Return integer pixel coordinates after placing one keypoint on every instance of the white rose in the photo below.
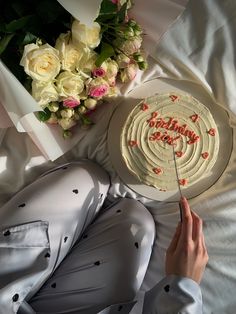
(113, 92)
(90, 103)
(53, 106)
(66, 123)
(67, 113)
(41, 63)
(69, 84)
(69, 54)
(129, 73)
(81, 34)
(44, 93)
(131, 45)
(82, 109)
(122, 60)
(87, 61)
(111, 80)
(112, 68)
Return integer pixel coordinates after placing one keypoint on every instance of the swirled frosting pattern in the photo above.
(162, 122)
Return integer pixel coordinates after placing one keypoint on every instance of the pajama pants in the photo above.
(95, 257)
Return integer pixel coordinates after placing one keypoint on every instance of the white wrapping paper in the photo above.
(20, 106)
(83, 10)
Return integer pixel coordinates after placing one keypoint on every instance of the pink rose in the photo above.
(99, 72)
(71, 102)
(98, 91)
(115, 1)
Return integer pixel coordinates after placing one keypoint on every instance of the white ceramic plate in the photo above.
(148, 89)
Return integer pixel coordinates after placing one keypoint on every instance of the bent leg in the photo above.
(105, 267)
(67, 198)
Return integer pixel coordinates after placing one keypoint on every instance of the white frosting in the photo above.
(147, 154)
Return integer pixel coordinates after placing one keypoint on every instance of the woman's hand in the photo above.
(187, 254)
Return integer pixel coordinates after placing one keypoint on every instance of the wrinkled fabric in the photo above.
(22, 162)
(37, 231)
(22, 262)
(200, 47)
(174, 295)
(104, 265)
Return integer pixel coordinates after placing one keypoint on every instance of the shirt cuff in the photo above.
(173, 295)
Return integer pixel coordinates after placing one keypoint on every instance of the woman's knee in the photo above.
(137, 214)
(135, 230)
(82, 175)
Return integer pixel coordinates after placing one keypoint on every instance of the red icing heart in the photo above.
(144, 106)
(183, 181)
(194, 117)
(173, 97)
(205, 155)
(212, 132)
(157, 170)
(132, 143)
(179, 154)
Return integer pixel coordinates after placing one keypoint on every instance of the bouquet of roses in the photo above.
(70, 68)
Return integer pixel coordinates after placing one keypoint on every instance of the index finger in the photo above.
(187, 227)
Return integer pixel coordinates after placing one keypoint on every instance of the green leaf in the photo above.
(108, 12)
(29, 38)
(44, 115)
(123, 12)
(5, 41)
(112, 17)
(107, 7)
(18, 24)
(107, 51)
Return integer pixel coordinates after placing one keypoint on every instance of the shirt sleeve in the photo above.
(174, 295)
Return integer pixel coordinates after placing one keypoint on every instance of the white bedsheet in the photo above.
(199, 47)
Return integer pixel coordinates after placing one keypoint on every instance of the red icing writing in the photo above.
(157, 171)
(172, 125)
(156, 136)
(133, 143)
(151, 123)
(212, 132)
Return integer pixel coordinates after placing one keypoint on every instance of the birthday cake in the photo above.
(164, 125)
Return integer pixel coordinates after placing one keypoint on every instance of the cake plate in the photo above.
(148, 89)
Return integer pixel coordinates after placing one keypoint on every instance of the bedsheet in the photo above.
(199, 47)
